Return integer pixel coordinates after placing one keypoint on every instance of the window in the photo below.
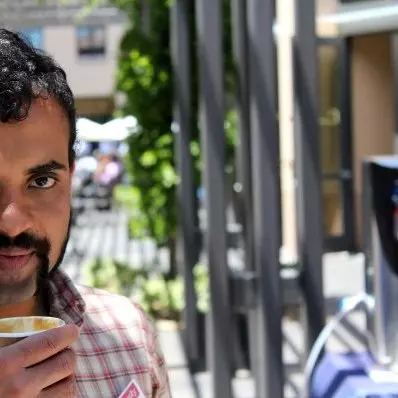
(91, 40)
(34, 36)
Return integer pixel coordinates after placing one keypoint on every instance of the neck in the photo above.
(28, 307)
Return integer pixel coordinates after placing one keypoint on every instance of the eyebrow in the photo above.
(52, 165)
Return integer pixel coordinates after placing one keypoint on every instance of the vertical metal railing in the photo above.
(308, 166)
(210, 58)
(243, 150)
(259, 174)
(180, 45)
(266, 318)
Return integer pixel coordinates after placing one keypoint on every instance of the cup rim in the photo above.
(17, 335)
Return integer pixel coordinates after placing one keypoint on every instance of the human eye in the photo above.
(42, 182)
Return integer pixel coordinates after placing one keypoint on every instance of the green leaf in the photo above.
(148, 158)
(166, 140)
(169, 176)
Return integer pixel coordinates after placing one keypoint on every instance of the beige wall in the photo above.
(285, 17)
(88, 76)
(93, 107)
(372, 106)
(329, 74)
(326, 7)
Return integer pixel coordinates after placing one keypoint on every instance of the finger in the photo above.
(51, 371)
(63, 389)
(39, 347)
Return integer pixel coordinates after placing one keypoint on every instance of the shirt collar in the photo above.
(65, 302)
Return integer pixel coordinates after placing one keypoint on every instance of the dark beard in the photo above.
(63, 247)
(42, 248)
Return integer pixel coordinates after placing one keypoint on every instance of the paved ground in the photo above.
(104, 234)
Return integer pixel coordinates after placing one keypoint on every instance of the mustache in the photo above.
(26, 240)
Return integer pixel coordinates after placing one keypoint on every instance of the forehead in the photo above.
(42, 136)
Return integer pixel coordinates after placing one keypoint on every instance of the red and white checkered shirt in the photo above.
(118, 343)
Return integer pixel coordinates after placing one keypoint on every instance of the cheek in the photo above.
(52, 206)
(51, 214)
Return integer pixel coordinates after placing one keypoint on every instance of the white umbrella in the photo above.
(115, 130)
(120, 128)
(88, 130)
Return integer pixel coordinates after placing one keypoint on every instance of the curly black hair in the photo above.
(26, 74)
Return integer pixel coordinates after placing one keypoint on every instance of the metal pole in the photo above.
(209, 32)
(243, 150)
(266, 318)
(309, 177)
(244, 173)
(180, 38)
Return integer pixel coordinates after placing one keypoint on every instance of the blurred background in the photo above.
(150, 170)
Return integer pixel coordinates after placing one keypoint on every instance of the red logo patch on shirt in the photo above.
(132, 391)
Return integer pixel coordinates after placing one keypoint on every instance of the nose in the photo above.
(14, 220)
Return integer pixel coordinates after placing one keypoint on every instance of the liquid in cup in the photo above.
(18, 328)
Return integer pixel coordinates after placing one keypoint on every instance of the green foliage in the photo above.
(126, 196)
(113, 276)
(145, 76)
(160, 297)
(201, 277)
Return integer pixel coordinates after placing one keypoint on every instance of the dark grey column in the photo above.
(180, 38)
(266, 318)
(210, 57)
(243, 150)
(309, 189)
(244, 173)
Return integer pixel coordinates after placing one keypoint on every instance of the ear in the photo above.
(72, 167)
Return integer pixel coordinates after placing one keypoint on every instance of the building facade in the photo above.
(357, 83)
(358, 104)
(84, 43)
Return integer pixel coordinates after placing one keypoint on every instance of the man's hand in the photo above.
(40, 366)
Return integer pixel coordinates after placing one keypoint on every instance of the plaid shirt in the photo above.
(117, 342)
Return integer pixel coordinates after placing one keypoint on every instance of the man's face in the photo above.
(35, 198)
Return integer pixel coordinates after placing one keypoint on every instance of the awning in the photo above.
(364, 17)
(115, 130)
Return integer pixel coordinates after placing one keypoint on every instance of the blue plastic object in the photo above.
(346, 376)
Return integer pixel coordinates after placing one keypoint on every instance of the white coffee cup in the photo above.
(18, 328)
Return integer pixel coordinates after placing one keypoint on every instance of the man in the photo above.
(108, 343)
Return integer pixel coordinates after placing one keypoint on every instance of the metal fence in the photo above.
(258, 172)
